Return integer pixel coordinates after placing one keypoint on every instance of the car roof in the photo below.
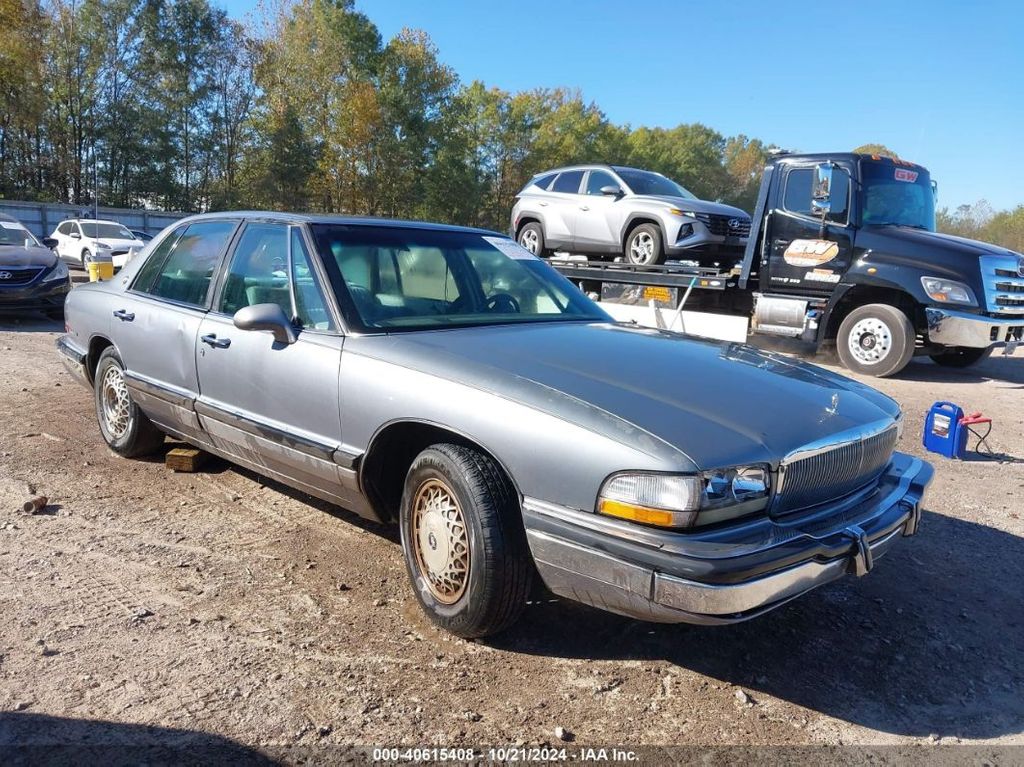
(92, 221)
(793, 157)
(11, 219)
(596, 166)
(342, 220)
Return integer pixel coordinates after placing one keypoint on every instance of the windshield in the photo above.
(418, 279)
(107, 230)
(897, 195)
(13, 233)
(645, 182)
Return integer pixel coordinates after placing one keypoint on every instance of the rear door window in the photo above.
(568, 182)
(187, 271)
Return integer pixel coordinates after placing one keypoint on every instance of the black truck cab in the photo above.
(845, 249)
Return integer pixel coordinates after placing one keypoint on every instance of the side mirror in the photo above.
(75, 236)
(50, 242)
(821, 190)
(266, 317)
(611, 190)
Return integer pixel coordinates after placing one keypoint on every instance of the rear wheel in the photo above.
(643, 246)
(876, 340)
(463, 541)
(124, 427)
(959, 358)
(531, 237)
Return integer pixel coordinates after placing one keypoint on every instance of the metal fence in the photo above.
(41, 218)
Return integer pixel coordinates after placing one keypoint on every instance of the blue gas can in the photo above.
(943, 432)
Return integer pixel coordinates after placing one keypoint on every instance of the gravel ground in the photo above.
(220, 608)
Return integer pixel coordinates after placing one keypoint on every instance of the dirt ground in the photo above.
(219, 607)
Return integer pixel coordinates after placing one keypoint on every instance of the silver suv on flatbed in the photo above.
(613, 210)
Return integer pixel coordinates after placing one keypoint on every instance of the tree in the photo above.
(879, 149)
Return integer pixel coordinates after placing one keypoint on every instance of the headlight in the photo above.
(59, 272)
(102, 246)
(948, 291)
(681, 212)
(681, 501)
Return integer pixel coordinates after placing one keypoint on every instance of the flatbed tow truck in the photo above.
(843, 251)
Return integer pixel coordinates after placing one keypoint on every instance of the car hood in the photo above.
(718, 403)
(118, 243)
(953, 246)
(698, 206)
(19, 257)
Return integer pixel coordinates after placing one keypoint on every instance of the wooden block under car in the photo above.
(186, 459)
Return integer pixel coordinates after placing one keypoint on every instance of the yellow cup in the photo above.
(100, 270)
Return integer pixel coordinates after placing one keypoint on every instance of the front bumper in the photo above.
(721, 576)
(34, 297)
(973, 331)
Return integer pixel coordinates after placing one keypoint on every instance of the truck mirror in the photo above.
(821, 191)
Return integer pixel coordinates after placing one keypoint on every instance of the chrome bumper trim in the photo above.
(974, 331)
(639, 589)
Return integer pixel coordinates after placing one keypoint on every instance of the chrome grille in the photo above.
(819, 474)
(13, 276)
(1003, 278)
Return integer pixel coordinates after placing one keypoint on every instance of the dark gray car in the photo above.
(448, 380)
(603, 210)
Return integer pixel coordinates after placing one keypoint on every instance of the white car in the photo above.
(78, 240)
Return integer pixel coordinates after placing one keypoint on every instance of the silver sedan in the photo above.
(448, 380)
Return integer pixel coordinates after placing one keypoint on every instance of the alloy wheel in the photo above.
(641, 248)
(530, 240)
(116, 404)
(441, 541)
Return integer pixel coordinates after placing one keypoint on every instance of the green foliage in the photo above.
(980, 222)
(880, 149)
(171, 104)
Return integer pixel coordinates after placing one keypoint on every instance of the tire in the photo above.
(86, 256)
(531, 237)
(133, 434)
(476, 583)
(643, 246)
(960, 358)
(876, 340)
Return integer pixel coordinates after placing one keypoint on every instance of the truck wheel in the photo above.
(876, 340)
(463, 540)
(531, 237)
(959, 358)
(643, 246)
(124, 427)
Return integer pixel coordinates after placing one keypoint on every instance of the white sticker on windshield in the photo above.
(510, 248)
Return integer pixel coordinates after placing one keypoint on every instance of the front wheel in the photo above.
(463, 541)
(86, 258)
(959, 358)
(643, 246)
(124, 427)
(876, 340)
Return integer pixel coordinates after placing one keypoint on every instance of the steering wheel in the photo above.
(503, 303)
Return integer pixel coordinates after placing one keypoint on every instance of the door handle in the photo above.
(780, 243)
(124, 316)
(584, 207)
(217, 343)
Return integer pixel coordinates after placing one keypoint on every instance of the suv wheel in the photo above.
(876, 340)
(124, 427)
(463, 541)
(531, 237)
(643, 246)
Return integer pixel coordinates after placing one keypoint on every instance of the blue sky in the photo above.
(941, 83)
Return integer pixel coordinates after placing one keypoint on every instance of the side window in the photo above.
(64, 228)
(187, 272)
(545, 181)
(597, 179)
(258, 273)
(310, 306)
(149, 271)
(568, 182)
(797, 197)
